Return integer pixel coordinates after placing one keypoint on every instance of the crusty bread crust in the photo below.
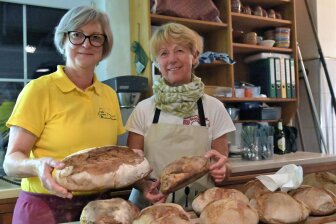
(115, 210)
(163, 213)
(182, 172)
(280, 207)
(319, 201)
(216, 193)
(107, 167)
(229, 211)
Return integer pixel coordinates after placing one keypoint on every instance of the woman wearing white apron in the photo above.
(179, 119)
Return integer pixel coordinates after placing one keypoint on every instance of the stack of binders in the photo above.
(274, 73)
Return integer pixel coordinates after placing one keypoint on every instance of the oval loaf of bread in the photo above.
(182, 172)
(115, 210)
(108, 167)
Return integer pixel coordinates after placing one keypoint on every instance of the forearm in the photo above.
(19, 165)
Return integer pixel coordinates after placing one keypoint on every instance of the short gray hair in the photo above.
(78, 17)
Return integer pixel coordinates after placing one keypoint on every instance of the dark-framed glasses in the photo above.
(78, 38)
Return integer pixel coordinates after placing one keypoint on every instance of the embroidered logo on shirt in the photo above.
(194, 120)
(105, 115)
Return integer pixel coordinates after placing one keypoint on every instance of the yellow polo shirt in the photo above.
(65, 119)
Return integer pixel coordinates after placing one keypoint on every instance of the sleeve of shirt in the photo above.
(222, 122)
(30, 110)
(136, 122)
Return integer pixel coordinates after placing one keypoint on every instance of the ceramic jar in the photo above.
(250, 38)
(236, 6)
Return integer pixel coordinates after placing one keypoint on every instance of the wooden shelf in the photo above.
(255, 121)
(239, 48)
(251, 22)
(197, 25)
(244, 99)
(214, 64)
(265, 3)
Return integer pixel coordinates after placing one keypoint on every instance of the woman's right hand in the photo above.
(152, 193)
(44, 169)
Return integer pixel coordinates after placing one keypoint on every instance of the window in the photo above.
(27, 50)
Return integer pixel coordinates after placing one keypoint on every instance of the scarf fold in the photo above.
(178, 100)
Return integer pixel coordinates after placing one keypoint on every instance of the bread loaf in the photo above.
(325, 180)
(254, 188)
(111, 211)
(319, 201)
(182, 172)
(102, 168)
(164, 213)
(229, 211)
(216, 193)
(279, 207)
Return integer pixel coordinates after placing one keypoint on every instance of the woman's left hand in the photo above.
(217, 169)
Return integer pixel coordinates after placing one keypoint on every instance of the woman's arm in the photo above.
(135, 141)
(221, 145)
(218, 169)
(17, 162)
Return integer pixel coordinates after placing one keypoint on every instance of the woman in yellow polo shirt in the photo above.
(59, 114)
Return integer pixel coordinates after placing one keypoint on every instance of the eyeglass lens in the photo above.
(78, 38)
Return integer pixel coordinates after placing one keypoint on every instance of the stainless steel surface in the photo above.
(128, 99)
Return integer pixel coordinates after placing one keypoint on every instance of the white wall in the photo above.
(119, 62)
(323, 17)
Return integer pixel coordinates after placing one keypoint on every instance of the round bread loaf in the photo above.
(216, 193)
(101, 168)
(325, 180)
(319, 201)
(182, 172)
(111, 211)
(254, 188)
(280, 207)
(229, 211)
(164, 213)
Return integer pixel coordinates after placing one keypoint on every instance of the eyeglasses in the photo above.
(78, 38)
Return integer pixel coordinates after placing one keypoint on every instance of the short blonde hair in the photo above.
(78, 17)
(175, 33)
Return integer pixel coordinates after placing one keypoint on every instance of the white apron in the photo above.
(165, 143)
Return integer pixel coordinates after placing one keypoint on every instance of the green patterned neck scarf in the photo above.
(178, 100)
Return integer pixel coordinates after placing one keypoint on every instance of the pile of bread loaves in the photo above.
(115, 167)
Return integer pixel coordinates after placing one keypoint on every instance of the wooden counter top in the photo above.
(8, 190)
(239, 165)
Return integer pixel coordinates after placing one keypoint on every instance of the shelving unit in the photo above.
(218, 38)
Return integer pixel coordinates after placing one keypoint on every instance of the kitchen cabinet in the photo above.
(6, 210)
(218, 38)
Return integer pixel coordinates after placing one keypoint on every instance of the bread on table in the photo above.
(280, 208)
(229, 211)
(319, 201)
(110, 211)
(216, 193)
(254, 188)
(183, 172)
(325, 180)
(163, 213)
(102, 168)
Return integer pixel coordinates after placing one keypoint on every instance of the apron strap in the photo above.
(156, 115)
(200, 113)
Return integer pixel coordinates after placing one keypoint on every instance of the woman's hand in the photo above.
(150, 190)
(44, 168)
(218, 169)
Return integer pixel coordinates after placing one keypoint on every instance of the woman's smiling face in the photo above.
(175, 63)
